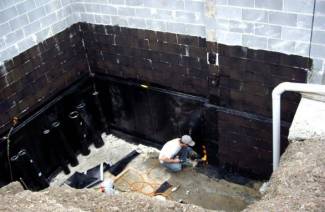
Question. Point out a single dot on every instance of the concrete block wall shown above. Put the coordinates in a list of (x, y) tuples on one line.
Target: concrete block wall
[(24, 23), (38, 74), (276, 25), (177, 16)]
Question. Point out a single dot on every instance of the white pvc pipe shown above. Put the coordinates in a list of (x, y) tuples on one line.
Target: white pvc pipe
[(276, 110)]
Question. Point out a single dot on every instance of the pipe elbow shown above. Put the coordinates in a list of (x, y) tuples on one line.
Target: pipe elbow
[(298, 87), (279, 89)]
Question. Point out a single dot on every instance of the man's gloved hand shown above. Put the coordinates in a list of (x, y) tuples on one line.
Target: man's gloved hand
[(194, 155)]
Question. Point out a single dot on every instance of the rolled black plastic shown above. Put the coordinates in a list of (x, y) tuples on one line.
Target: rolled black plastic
[(119, 166), (92, 134), (80, 132)]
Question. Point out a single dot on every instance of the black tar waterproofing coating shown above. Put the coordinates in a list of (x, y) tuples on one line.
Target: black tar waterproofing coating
[(67, 125)]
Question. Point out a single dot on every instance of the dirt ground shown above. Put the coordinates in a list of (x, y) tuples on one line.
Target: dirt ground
[(299, 183), (58, 199)]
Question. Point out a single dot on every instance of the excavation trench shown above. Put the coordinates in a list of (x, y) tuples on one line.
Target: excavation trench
[(144, 87), (101, 121)]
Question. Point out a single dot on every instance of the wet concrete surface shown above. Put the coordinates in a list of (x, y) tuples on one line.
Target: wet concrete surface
[(193, 186)]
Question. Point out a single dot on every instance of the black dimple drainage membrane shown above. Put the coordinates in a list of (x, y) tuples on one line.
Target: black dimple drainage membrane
[(53, 136), (63, 128)]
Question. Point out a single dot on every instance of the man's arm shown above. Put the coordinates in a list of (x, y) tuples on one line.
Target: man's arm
[(169, 160)]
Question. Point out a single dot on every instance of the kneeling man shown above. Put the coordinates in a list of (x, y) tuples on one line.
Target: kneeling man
[(174, 153)]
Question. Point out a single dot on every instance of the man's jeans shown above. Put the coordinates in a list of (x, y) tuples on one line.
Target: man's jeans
[(182, 154)]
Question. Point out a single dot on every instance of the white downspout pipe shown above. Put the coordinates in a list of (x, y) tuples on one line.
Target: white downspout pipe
[(276, 110)]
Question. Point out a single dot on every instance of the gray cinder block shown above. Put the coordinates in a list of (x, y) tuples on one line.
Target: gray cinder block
[(226, 12), (118, 2), (255, 15), (319, 37), (8, 14), (36, 14), (43, 34), (267, 30), (52, 6), (240, 26), (89, 18), (134, 2), (59, 26), (299, 6), (32, 28), (185, 17), (137, 23), (64, 12), (18, 22), (269, 4), (176, 28), (4, 29), (195, 30), (295, 34), (25, 6), (116, 20), (317, 51), (254, 42), (284, 19), (77, 7), (26, 44), (14, 36), (231, 38), (142, 12), (108, 10), (281, 45), (304, 21), (175, 4), (242, 3), (125, 11), (319, 23), (302, 48), (194, 6), (320, 7), (156, 25), (48, 20)]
